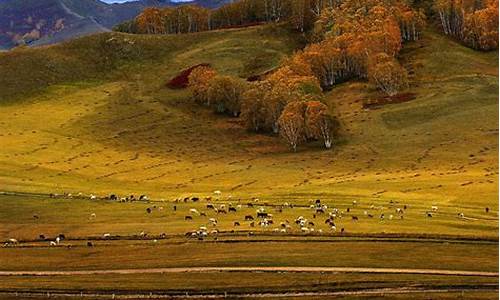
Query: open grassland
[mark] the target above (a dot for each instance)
(94, 116)
(172, 253)
(73, 217)
(130, 134)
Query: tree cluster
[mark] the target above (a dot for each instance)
(474, 22)
(353, 39)
(301, 14)
(361, 39)
(281, 104)
(222, 93)
(305, 120)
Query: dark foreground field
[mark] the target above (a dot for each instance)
(267, 264)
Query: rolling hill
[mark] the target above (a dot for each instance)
(42, 22)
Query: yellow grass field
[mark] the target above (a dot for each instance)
(98, 122)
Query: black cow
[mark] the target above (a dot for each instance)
(262, 215)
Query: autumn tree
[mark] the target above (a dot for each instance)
(287, 85)
(199, 83)
(387, 74)
(320, 124)
(475, 22)
(225, 94)
(292, 124)
(481, 27)
(151, 21)
(301, 14)
(253, 106)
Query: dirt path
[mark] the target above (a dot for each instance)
(253, 269)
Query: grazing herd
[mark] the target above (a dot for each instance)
(213, 212)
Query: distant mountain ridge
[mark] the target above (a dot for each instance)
(42, 22)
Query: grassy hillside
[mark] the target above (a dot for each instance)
(101, 121)
(115, 56)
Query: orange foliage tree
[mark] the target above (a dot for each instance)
(475, 22)
(320, 124)
(199, 83)
(225, 94)
(387, 74)
(292, 124)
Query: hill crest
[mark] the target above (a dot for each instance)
(42, 22)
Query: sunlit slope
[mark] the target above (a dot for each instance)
(125, 132)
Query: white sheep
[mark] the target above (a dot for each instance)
(434, 208)
(217, 193)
